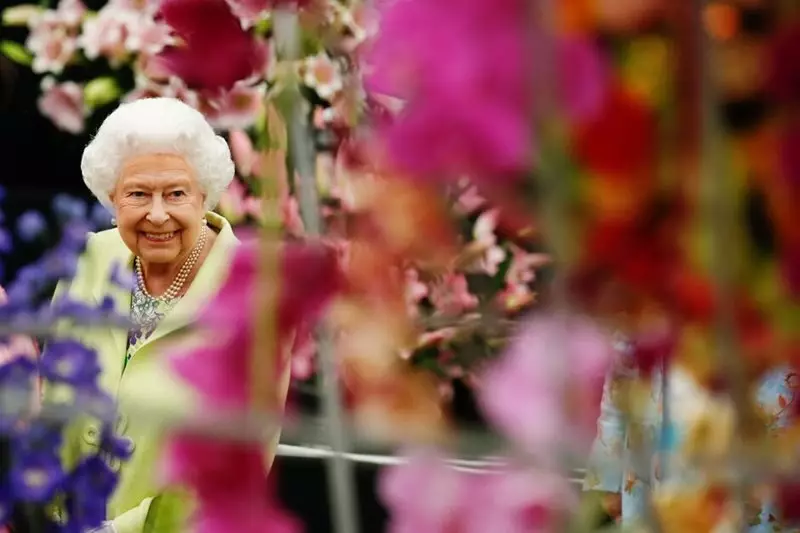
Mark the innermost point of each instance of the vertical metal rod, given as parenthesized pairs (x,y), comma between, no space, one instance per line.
(340,473)
(719,204)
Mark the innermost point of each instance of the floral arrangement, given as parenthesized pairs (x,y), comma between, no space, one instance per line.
(440,183)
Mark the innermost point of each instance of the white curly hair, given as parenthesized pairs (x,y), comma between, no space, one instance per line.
(157,125)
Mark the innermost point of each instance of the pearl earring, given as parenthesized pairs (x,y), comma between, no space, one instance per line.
(113,221)
(205,221)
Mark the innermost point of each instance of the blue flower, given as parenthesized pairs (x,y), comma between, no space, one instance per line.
(69,361)
(30,225)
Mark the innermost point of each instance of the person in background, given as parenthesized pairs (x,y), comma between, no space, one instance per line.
(616,473)
(158,166)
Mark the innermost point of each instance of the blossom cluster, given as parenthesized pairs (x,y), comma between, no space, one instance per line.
(41,395)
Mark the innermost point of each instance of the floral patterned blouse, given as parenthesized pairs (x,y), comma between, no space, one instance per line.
(146,313)
(611,467)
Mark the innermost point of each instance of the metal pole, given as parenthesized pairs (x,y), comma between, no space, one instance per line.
(341,482)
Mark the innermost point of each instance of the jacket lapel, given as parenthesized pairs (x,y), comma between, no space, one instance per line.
(205,284)
(104,287)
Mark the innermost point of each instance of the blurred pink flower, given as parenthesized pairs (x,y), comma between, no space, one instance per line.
(215,51)
(63,104)
(309,278)
(53,37)
(117,31)
(230,483)
(236,108)
(485,241)
(544,399)
(173,88)
(231,203)
(250,11)
(465,72)
(416,290)
(242,151)
(450,295)
(426,495)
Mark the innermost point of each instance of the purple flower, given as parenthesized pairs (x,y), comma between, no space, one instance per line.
(68,208)
(69,361)
(30,225)
(16,389)
(100,217)
(123,277)
(35,477)
(5,241)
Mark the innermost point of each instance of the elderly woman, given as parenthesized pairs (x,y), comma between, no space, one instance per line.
(616,471)
(160,168)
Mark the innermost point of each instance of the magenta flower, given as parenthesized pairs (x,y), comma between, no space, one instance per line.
(426,495)
(543,399)
(465,72)
(310,277)
(216,51)
(230,483)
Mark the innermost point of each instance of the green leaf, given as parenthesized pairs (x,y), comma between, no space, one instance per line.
(16,52)
(20,15)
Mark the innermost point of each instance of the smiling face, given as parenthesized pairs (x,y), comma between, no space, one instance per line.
(159,208)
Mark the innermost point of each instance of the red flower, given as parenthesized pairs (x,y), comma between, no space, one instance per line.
(623,138)
(216,52)
(783,65)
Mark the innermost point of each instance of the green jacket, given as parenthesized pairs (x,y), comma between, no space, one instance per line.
(141,503)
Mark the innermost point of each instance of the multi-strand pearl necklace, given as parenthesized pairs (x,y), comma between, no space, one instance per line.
(177,284)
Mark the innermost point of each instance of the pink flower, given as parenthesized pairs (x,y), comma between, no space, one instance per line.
(173,88)
(309,278)
(465,71)
(451,295)
(491,255)
(118,31)
(241,151)
(426,495)
(63,104)
(53,36)
(237,108)
(216,51)
(251,11)
(230,483)
(544,399)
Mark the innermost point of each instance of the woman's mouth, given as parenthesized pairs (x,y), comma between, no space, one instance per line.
(160,237)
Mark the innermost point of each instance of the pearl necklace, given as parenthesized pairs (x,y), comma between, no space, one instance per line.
(177,284)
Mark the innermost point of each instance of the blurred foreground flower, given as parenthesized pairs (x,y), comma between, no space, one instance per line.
(216,51)
(427,495)
(309,279)
(230,489)
(465,74)
(544,392)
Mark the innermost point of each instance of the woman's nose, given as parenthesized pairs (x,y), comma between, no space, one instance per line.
(157,215)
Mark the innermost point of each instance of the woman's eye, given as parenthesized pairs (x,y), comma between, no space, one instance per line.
(136,194)
(177,194)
